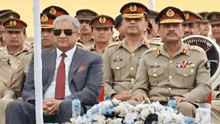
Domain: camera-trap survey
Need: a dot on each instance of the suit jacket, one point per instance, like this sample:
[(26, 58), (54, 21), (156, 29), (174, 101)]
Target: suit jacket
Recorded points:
[(85, 76)]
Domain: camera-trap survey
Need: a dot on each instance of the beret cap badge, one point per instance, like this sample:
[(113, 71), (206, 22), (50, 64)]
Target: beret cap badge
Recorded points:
[(13, 22), (53, 11), (133, 8), (102, 19), (44, 18), (170, 13)]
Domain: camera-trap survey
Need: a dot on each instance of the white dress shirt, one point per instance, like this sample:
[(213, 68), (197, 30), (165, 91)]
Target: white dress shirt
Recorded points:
[(50, 92)]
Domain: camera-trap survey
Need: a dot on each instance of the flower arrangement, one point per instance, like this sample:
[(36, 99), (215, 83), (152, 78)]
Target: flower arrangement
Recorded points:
[(117, 112)]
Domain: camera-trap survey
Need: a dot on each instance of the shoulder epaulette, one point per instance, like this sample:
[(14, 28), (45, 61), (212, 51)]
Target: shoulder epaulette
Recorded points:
[(196, 48), (150, 50), (114, 44)]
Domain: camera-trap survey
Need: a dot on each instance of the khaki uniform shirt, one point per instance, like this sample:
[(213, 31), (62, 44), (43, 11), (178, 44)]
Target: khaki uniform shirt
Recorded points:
[(186, 74), (8, 72), (15, 59), (120, 66), (86, 46), (115, 39)]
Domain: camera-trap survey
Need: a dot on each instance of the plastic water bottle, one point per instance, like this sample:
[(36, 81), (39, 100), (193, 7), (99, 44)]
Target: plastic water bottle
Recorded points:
[(76, 106), (172, 103)]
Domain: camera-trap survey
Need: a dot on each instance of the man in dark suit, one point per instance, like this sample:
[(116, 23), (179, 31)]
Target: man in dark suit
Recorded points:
[(68, 71)]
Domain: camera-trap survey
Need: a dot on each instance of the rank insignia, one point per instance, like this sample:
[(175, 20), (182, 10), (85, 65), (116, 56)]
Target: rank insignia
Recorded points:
[(13, 23), (102, 19), (186, 15), (184, 50), (53, 11), (155, 65), (133, 8), (158, 52), (44, 18), (170, 13), (145, 43)]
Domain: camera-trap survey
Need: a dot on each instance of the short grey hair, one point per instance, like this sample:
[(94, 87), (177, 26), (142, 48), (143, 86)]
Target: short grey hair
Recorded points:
[(74, 21)]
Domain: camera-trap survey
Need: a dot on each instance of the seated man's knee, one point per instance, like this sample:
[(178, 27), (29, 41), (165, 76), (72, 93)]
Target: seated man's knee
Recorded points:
[(186, 109), (15, 105)]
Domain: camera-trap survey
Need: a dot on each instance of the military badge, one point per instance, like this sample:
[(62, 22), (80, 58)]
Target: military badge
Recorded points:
[(184, 50), (53, 11), (158, 52), (185, 64), (133, 8), (170, 13), (102, 19), (44, 18), (145, 43), (186, 15), (13, 23), (155, 65)]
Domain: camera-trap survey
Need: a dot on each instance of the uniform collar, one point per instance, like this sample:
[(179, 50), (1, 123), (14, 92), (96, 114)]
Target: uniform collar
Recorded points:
[(183, 50), (123, 43), (92, 48), (25, 48)]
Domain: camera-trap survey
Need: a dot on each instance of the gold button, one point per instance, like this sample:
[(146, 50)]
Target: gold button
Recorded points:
[(185, 74), (169, 89), (132, 54), (192, 71), (155, 75), (117, 68), (170, 77), (132, 68), (171, 61), (132, 80)]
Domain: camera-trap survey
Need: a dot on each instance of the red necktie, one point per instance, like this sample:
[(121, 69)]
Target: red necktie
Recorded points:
[(60, 81)]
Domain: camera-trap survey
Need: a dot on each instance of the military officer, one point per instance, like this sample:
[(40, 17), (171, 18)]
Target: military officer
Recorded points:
[(121, 58), (10, 58), (191, 25), (5, 14), (119, 28), (174, 68), (214, 19), (47, 37), (154, 31), (14, 36), (205, 27), (84, 16), (102, 30)]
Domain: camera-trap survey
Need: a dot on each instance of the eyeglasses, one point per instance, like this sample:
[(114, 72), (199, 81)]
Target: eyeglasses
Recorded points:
[(67, 32)]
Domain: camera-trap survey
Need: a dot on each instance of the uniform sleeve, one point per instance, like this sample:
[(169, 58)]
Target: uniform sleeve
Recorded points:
[(202, 89), (108, 74), (141, 83)]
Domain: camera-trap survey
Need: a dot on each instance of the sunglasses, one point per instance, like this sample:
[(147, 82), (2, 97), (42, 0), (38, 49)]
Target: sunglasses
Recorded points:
[(67, 32)]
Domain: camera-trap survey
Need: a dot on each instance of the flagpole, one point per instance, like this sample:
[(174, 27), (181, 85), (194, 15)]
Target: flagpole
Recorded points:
[(37, 63), (151, 4)]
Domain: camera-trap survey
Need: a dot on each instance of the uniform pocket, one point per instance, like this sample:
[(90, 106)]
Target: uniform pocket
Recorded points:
[(117, 68), (155, 72), (155, 75), (185, 71)]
